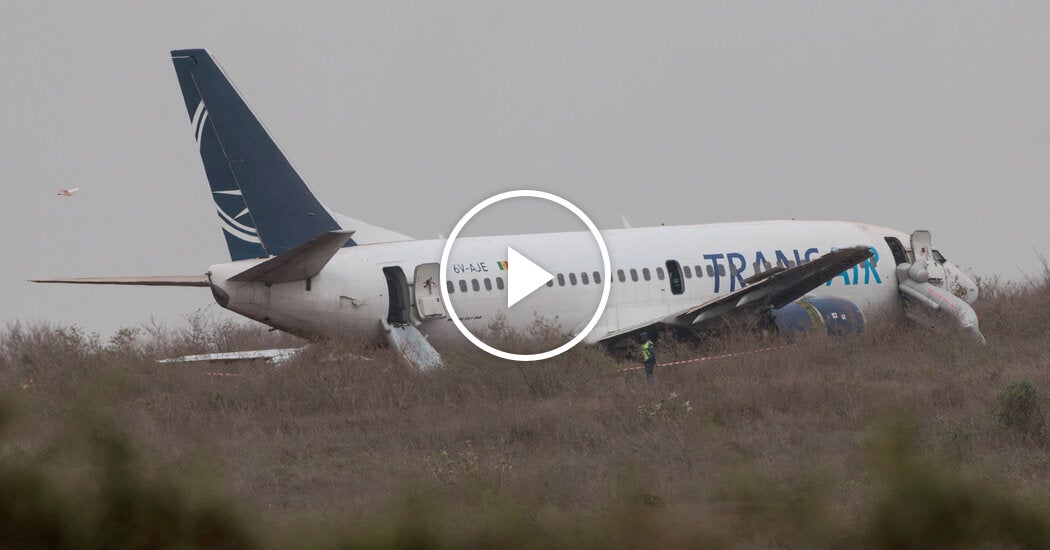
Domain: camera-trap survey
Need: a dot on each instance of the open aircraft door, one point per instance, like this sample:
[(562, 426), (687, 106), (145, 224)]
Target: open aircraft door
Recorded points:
[(922, 249), (428, 291)]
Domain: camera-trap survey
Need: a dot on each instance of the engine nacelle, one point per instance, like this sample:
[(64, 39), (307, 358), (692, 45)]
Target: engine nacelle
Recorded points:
[(811, 314)]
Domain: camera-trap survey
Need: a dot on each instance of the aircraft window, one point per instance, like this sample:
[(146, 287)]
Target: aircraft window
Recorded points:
[(791, 264), (584, 278), (660, 273), (550, 282), (687, 271), (451, 287), (936, 256), (768, 266), (499, 283), (757, 267), (699, 272), (674, 272), (780, 263), (722, 270), (899, 255), (597, 278), (488, 284), (474, 284), (561, 280), (619, 275), (572, 279), (462, 285), (711, 271), (634, 274), (646, 274)]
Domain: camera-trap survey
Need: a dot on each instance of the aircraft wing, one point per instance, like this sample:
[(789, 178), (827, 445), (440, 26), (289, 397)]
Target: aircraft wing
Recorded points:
[(771, 289), (275, 356), (175, 280)]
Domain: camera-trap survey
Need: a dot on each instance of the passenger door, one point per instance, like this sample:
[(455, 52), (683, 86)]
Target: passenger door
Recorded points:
[(922, 249), (428, 291)]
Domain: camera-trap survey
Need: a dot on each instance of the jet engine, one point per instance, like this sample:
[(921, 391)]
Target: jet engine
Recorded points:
[(813, 313)]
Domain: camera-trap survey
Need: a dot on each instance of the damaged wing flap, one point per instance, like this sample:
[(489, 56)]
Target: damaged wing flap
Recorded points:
[(779, 287), (773, 288)]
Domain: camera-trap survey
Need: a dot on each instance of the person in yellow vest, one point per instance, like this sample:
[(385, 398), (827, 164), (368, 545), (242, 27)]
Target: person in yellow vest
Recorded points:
[(648, 356)]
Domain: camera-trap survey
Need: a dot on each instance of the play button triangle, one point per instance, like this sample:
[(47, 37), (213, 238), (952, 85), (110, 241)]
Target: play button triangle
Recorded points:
[(523, 277)]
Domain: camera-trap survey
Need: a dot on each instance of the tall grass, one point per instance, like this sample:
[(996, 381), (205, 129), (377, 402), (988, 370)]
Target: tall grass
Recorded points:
[(894, 438)]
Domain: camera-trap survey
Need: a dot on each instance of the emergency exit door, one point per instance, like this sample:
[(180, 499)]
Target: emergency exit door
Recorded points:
[(428, 291)]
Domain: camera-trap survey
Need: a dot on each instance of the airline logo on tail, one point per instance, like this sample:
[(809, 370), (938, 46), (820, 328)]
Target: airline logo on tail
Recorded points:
[(199, 116), (265, 207), (233, 211), (229, 221)]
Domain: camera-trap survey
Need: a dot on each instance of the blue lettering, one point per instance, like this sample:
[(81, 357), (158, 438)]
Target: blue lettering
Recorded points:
[(844, 274), (869, 271), (735, 270), (760, 262), (869, 267), (736, 264), (714, 265)]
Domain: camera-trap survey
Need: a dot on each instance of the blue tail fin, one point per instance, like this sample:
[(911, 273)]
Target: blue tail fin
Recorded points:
[(265, 207)]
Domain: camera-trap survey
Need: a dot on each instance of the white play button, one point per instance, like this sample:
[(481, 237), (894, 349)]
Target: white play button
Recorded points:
[(523, 277), (477, 270)]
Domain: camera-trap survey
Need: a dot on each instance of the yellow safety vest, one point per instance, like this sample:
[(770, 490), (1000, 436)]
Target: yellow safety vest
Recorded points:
[(647, 350)]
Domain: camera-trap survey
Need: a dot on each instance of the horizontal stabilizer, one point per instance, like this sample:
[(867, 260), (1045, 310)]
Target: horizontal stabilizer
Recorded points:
[(301, 262), (176, 280)]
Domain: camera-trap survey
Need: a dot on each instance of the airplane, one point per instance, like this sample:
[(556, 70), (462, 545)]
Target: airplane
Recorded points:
[(63, 192), (302, 268)]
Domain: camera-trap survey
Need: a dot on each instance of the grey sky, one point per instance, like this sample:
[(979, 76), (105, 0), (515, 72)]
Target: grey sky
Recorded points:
[(911, 115)]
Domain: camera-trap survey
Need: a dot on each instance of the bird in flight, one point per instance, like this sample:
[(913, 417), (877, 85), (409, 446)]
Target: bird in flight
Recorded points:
[(68, 192)]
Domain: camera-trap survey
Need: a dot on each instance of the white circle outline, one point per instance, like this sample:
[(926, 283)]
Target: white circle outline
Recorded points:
[(606, 265)]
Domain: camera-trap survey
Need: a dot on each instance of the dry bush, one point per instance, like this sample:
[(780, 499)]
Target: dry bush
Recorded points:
[(203, 331), (345, 445)]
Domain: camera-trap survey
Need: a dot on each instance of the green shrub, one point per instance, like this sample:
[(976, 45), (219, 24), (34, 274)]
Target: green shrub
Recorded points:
[(1018, 407), (920, 502)]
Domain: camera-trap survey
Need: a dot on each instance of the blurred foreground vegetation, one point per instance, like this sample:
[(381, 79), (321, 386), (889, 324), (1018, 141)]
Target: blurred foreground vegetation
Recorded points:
[(899, 437)]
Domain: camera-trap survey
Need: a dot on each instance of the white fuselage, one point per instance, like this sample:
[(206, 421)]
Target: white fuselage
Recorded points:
[(351, 294)]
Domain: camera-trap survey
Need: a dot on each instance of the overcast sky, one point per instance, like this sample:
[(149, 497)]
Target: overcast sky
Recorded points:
[(911, 115)]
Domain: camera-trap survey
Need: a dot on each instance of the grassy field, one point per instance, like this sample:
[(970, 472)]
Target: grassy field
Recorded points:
[(899, 437)]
